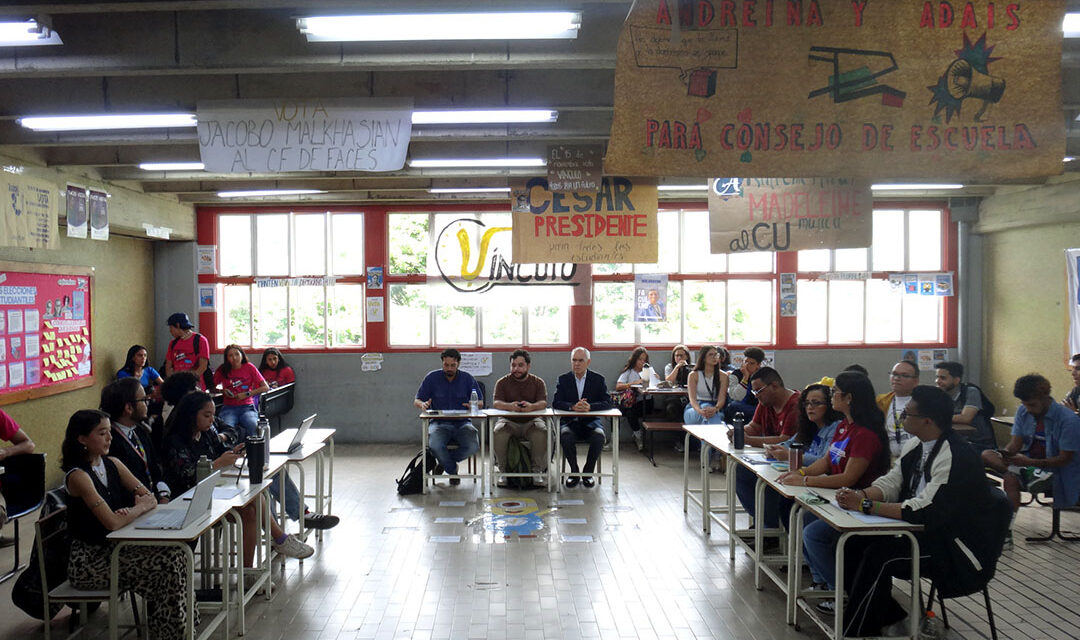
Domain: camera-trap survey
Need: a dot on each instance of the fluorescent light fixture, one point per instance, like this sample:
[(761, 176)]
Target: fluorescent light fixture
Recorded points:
[(469, 190), (111, 121), (477, 162), (509, 25), (484, 116), (27, 34), (267, 192), (1071, 25), (914, 187), (682, 187), (1068, 158), (171, 166)]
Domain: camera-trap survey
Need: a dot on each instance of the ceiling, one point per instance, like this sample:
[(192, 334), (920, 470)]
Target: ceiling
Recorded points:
[(167, 56)]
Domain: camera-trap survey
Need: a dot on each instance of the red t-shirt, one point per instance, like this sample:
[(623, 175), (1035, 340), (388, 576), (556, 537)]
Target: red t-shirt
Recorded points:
[(246, 378), (854, 441), (184, 353), (8, 427), (284, 375), (786, 422)]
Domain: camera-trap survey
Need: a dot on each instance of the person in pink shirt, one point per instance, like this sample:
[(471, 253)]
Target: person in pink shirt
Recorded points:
[(240, 382), (20, 443), (275, 370), (188, 350)]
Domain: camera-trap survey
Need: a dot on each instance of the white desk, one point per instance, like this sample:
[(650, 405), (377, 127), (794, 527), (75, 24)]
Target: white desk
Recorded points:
[(426, 417), (493, 416), (711, 436), (324, 464), (310, 448), (615, 415)]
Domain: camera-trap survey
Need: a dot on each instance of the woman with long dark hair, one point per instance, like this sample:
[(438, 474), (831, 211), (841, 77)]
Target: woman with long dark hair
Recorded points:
[(678, 369), (635, 376), (105, 496), (240, 382), (817, 422), (135, 367), (274, 369), (706, 389)]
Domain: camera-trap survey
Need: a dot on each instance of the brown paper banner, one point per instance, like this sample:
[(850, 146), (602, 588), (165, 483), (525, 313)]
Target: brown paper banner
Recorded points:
[(789, 214), (30, 212), (902, 89), (615, 224)]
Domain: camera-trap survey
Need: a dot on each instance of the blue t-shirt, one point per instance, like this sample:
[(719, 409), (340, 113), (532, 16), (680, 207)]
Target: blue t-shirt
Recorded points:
[(149, 374), (448, 395), (818, 446), (1062, 434)]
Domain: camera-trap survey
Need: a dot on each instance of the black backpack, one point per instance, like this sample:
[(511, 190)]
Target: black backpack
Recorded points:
[(518, 460), (412, 481), (988, 407)]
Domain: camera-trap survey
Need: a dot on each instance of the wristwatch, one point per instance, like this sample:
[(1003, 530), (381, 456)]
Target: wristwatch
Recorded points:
[(867, 505)]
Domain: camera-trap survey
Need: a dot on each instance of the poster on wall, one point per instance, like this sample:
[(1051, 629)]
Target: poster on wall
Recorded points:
[(45, 331), (76, 207), (30, 212), (650, 298), (911, 89), (1072, 270), (99, 215)]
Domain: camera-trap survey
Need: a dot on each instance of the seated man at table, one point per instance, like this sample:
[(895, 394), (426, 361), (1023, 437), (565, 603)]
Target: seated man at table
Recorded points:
[(740, 399), (1072, 401), (20, 444), (967, 404), (1041, 454), (125, 401), (581, 390), (522, 392), (937, 482), (902, 379), (448, 389)]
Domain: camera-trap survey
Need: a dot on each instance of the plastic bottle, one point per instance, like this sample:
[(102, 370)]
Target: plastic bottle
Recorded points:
[(474, 403), (738, 424), (203, 469), (931, 627), (263, 431)]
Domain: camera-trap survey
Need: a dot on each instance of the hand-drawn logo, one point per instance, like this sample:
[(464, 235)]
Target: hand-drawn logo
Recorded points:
[(967, 77), (725, 187), (855, 79)]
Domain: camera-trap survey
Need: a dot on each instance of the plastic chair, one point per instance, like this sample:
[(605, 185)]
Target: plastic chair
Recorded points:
[(23, 488)]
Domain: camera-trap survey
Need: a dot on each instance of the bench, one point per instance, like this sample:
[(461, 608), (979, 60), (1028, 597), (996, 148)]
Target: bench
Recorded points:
[(277, 402), (651, 427)]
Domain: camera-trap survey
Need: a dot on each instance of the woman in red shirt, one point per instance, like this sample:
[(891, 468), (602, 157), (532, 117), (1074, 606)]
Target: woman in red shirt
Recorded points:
[(274, 368), (240, 381)]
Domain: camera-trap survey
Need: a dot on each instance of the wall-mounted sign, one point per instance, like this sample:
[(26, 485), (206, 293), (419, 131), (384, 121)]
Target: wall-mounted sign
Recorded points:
[(30, 209), (99, 215), (574, 167), (76, 206), (899, 89)]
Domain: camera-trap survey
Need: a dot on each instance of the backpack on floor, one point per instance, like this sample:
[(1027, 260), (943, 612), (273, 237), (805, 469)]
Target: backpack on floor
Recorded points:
[(518, 460), (412, 480)]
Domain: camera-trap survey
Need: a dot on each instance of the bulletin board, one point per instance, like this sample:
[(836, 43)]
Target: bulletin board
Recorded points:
[(45, 331)]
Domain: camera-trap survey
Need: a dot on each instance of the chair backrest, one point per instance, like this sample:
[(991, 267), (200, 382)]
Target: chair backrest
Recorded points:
[(1001, 508), (23, 483), (484, 402), (50, 540)]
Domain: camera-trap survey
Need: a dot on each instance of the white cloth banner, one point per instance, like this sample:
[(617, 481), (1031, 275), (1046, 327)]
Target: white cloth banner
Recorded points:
[(1072, 265), (276, 136)]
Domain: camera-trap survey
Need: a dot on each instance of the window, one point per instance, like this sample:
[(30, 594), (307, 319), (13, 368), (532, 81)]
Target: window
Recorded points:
[(292, 280)]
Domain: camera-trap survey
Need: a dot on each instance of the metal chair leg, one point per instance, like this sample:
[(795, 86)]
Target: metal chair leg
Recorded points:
[(990, 613)]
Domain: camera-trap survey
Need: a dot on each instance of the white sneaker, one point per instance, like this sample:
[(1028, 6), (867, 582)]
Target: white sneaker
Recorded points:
[(540, 480), (294, 548), (639, 440)]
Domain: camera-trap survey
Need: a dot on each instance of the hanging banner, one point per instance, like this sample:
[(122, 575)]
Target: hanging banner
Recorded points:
[(99, 215), (615, 224), (30, 210), (1072, 267), (904, 89), (789, 214), (650, 298), (76, 211), (272, 136), (574, 167)]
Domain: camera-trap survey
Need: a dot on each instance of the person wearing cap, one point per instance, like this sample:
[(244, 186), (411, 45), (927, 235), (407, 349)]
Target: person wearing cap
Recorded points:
[(188, 350)]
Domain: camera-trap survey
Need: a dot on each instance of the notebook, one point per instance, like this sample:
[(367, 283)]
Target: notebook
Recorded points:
[(197, 509)]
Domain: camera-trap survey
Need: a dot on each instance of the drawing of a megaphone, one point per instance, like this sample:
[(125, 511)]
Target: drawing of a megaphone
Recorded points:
[(964, 81)]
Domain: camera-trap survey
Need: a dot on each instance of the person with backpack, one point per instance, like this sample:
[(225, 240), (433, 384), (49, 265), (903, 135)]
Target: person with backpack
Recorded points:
[(970, 407), (188, 350), (521, 391)]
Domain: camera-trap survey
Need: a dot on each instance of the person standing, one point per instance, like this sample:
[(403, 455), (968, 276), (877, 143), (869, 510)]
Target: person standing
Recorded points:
[(521, 391), (188, 350), (581, 390), (448, 389)]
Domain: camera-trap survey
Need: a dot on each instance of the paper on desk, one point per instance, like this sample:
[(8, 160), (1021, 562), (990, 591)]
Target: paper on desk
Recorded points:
[(226, 493), (869, 519), (756, 458)]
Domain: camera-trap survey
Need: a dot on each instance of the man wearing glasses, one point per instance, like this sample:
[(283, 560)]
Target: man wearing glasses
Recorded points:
[(903, 378), (125, 401)]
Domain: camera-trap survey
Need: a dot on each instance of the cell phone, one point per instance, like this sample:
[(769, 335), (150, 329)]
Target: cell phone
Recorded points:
[(1005, 454)]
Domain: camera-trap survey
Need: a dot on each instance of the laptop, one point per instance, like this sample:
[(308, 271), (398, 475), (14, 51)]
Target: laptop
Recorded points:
[(197, 509), (298, 438)]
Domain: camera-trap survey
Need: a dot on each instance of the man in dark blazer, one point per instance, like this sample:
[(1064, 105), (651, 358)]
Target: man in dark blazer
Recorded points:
[(125, 401), (581, 390)]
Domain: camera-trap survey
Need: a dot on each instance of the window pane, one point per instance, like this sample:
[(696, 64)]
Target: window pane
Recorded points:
[(883, 308), (409, 318), (272, 251), (607, 269), (455, 325), (234, 245), (696, 257), (669, 331), (812, 311), (348, 242), (308, 324), (270, 323), (751, 262), (503, 325), (408, 243), (309, 240), (846, 311), (888, 240), (668, 245), (549, 324), (922, 318), (613, 307), (750, 311), (347, 315), (704, 310), (850, 260), (814, 260), (924, 233), (236, 301)]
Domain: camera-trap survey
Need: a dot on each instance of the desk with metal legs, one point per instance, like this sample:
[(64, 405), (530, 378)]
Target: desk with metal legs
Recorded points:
[(493, 416), (426, 417), (615, 415)]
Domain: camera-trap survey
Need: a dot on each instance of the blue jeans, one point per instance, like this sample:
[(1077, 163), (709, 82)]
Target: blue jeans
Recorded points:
[(442, 432), (693, 417), (819, 547), (292, 495), (243, 417)]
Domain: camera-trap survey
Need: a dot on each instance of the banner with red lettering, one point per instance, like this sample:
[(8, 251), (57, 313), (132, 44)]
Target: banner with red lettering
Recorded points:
[(905, 89), (616, 224), (789, 214)]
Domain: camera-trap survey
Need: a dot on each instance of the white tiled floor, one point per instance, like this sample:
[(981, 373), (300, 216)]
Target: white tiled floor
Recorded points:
[(647, 573)]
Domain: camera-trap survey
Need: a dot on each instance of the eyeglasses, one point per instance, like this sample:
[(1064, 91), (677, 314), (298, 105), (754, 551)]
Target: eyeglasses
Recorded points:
[(904, 415), (816, 403), (894, 374), (147, 400), (758, 392)]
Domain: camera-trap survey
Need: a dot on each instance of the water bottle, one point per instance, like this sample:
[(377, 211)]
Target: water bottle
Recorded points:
[(931, 627), (474, 403), (795, 450), (203, 469), (262, 430), (737, 424)]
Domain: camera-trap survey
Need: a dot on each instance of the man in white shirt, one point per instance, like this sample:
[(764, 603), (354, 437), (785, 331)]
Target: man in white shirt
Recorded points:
[(903, 378)]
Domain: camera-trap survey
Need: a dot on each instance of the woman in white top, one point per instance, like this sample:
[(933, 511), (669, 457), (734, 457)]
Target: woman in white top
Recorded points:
[(676, 371), (706, 389), (636, 375)]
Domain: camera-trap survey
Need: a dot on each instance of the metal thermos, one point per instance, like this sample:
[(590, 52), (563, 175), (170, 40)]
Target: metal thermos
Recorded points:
[(263, 431), (738, 425), (795, 452), (256, 457)]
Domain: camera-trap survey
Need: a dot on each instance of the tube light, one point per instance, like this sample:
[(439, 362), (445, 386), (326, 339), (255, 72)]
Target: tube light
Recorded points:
[(27, 34), (1070, 26), (110, 121), (171, 166), (267, 192), (682, 187), (484, 116), (914, 187), (478, 162), (519, 25), (469, 190), (1068, 158)]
